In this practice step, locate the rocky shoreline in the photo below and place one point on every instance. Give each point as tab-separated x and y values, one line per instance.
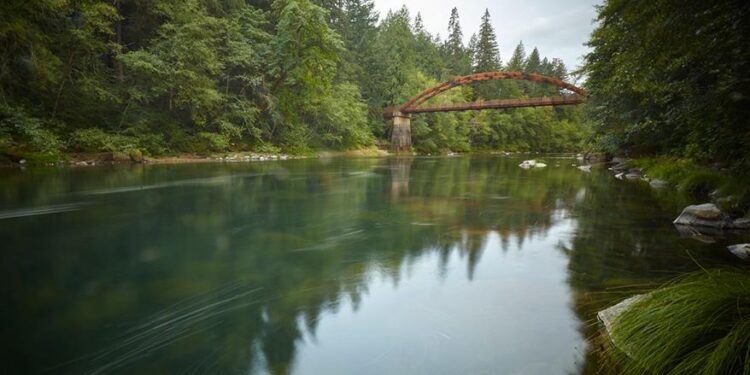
120	158
698	221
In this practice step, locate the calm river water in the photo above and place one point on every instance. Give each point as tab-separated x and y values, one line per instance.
449	265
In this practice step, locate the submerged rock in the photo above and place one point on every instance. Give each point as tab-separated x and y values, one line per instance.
633	176
528	164
741	251
701	234
658	184
585	168
741	223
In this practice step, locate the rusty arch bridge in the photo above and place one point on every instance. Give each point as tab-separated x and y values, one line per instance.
401	116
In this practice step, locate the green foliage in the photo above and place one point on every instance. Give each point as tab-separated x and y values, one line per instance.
342	119
211	142
517	61
697	325
458	56
699	180
21	134
208	76
666	78
96	140
487	57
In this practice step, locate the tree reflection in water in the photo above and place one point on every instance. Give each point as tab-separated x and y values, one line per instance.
228	267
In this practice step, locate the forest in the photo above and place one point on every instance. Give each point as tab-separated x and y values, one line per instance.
670	78
207	76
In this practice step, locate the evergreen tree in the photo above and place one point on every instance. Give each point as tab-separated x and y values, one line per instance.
457	56
533	63
472	51
546	68
558	69
488	52
419	29
487	59
517	62
429	59
358	35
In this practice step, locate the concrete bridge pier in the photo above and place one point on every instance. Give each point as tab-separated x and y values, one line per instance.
401	133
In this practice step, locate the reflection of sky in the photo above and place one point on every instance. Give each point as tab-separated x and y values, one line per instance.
513	318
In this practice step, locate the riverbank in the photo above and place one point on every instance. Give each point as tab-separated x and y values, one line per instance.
696	323
723	186
119	158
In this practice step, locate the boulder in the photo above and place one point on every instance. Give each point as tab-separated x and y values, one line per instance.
701	234
528	164
633	176
741	223
618	165
741	251
658	184
609	316
585	168
706	215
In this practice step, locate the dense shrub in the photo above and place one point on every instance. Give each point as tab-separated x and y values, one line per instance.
96	140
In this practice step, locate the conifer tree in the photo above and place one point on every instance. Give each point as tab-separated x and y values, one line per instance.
533	63
454	43
455	52
472	51
558	69
488	55
517	62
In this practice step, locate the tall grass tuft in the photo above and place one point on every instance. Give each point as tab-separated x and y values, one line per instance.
699	324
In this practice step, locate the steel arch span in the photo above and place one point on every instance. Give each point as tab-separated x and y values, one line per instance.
414	105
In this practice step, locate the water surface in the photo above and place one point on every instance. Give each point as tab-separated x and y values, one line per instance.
333	266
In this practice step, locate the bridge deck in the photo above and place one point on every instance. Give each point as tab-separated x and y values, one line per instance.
499	104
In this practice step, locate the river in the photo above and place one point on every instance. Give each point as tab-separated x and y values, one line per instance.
427	265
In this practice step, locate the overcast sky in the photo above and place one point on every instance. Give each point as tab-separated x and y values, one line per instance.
558	28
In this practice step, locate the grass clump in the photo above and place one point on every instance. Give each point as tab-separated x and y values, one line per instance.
697	325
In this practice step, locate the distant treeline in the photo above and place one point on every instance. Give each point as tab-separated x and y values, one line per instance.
165	76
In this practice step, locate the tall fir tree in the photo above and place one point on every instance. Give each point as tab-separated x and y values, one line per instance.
533	63
517	62
488	51
558	69
472	51
429	59
454	50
